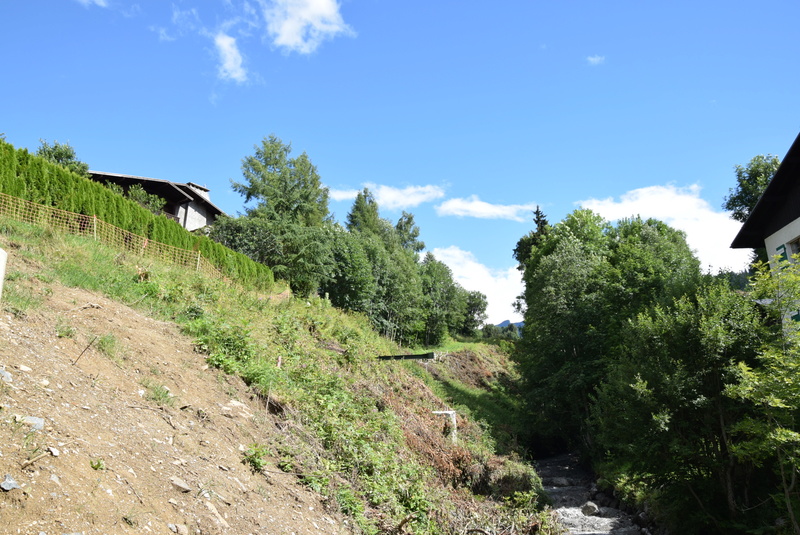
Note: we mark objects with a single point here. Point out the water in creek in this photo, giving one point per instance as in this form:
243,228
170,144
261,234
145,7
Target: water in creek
580,508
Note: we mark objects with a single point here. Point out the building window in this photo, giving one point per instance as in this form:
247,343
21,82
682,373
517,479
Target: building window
794,247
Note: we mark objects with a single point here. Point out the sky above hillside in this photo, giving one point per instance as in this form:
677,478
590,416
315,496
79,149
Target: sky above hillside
466,114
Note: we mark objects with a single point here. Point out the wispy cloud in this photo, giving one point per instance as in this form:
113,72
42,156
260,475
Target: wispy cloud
474,207
230,67
186,20
302,25
595,60
87,3
501,287
342,194
163,33
708,232
134,10
393,198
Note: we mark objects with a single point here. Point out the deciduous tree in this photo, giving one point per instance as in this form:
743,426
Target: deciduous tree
64,155
751,181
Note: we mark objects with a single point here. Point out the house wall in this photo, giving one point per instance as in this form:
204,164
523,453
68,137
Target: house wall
193,216
781,242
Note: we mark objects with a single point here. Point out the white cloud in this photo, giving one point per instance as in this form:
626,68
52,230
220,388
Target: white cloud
342,194
392,198
501,287
474,207
230,59
708,232
596,60
163,33
87,3
302,25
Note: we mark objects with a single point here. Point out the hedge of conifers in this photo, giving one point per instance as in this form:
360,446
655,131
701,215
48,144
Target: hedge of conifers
35,179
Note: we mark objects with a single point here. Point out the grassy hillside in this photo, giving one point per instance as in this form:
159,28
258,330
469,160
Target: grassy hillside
358,432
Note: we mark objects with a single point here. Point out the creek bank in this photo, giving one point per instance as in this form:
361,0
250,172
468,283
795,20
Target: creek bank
580,507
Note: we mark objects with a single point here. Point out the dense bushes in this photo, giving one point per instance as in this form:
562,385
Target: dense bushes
682,391
35,179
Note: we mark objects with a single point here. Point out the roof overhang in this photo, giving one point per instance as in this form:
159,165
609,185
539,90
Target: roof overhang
171,192
772,212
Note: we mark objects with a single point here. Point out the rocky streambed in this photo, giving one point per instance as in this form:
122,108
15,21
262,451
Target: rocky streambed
581,508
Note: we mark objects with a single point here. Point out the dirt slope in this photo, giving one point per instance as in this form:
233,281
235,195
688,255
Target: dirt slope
109,457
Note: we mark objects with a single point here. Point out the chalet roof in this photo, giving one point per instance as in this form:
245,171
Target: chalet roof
172,192
778,206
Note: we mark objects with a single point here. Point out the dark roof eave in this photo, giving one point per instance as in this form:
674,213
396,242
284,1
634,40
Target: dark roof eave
182,193
754,231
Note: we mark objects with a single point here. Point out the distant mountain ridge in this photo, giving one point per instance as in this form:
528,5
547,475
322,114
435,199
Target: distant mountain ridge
506,323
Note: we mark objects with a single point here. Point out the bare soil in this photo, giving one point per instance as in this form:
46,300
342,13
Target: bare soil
110,458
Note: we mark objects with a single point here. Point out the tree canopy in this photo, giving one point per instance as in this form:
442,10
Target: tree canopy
287,229
680,388
370,266
287,189
751,181
583,280
64,155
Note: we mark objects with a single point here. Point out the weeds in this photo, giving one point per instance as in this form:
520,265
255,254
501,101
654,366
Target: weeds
97,464
20,297
108,345
64,329
157,393
254,457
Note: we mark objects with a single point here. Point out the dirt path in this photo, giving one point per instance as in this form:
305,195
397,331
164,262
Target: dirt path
571,489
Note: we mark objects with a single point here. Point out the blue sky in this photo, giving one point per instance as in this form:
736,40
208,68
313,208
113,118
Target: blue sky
466,114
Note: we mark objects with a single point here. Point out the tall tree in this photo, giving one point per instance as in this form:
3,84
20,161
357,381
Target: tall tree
474,314
408,233
64,155
527,243
352,285
439,293
287,189
771,435
582,282
288,228
364,214
751,181
662,415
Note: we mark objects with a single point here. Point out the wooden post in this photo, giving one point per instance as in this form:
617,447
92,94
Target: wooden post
452,415
94,226
198,261
3,259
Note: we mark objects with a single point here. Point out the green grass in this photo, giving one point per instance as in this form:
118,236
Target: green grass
64,329
157,393
108,345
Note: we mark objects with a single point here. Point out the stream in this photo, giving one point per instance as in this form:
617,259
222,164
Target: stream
580,508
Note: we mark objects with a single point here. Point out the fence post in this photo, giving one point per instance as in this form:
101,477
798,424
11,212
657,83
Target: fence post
454,431
198,261
94,226
3,259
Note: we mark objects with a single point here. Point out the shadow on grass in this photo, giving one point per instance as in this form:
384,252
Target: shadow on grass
500,411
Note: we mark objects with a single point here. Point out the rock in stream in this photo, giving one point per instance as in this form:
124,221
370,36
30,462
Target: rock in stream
570,488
